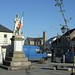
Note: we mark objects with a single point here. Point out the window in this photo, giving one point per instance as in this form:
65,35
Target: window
5,37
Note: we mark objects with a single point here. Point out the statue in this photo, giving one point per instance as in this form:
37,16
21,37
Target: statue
18,25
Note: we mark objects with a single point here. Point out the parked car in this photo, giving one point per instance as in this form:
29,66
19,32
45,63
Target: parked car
34,53
49,54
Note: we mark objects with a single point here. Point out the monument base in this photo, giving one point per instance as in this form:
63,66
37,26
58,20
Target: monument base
16,61
15,58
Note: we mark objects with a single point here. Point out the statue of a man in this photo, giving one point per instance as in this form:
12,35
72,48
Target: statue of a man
18,25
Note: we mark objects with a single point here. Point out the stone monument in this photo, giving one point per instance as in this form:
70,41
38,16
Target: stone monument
16,58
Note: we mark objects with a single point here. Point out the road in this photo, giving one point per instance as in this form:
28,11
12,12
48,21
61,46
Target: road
36,69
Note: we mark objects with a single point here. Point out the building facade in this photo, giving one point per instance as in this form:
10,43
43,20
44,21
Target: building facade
64,43
5,36
36,41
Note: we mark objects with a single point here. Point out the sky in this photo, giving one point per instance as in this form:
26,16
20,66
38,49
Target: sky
39,16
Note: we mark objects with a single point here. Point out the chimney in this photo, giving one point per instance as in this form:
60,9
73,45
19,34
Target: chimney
44,37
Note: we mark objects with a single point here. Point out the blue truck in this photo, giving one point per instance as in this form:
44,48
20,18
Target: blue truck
34,53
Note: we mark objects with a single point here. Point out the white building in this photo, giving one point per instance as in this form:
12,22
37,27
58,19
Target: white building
5,35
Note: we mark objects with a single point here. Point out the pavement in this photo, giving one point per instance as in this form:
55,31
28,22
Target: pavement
36,69
43,71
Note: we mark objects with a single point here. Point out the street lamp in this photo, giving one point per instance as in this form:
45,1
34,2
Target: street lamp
63,30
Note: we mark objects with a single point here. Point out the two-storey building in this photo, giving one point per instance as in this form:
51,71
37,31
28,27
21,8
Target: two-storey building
39,41
5,35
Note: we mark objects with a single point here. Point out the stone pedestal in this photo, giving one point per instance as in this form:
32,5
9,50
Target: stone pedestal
16,58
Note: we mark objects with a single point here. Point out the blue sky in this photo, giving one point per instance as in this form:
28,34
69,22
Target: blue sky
39,16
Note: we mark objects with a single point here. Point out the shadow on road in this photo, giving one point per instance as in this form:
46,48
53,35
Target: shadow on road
53,69
47,68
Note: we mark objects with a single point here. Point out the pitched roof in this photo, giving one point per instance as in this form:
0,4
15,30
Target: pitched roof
68,32
4,29
34,38
65,34
51,39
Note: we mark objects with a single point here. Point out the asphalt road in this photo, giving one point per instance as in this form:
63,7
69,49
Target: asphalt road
36,69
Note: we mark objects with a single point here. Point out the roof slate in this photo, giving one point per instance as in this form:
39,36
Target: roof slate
4,29
34,38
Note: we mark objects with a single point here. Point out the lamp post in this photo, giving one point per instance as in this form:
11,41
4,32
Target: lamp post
63,30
